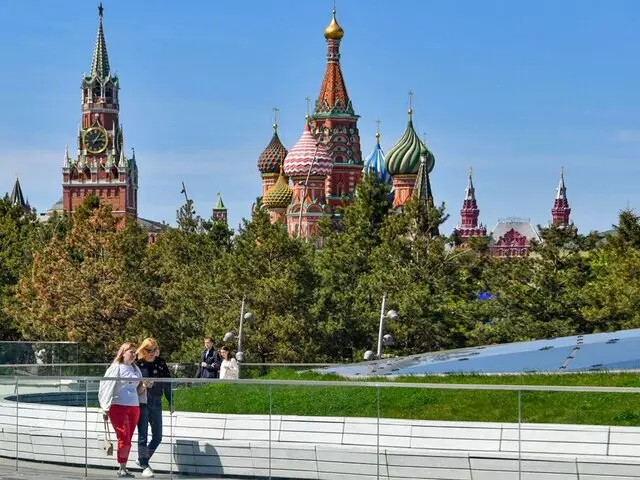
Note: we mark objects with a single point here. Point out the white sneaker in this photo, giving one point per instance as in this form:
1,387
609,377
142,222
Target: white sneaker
147,473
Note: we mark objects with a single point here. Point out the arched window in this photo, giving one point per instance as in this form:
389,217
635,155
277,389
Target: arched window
97,93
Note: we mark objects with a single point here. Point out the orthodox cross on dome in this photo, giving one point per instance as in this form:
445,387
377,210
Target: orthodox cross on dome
410,103
308,100
275,118
378,131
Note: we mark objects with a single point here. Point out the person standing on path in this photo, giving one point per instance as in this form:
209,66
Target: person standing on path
152,366
229,366
209,361
119,400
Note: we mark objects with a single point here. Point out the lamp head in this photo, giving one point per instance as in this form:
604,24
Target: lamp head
387,340
229,337
240,356
248,317
368,356
392,315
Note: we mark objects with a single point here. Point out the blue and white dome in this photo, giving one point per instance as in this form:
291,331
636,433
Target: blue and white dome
374,163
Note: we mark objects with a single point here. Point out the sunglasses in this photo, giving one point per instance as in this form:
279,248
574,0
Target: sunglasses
150,350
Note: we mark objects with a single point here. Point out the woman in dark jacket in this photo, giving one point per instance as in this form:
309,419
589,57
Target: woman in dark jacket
151,366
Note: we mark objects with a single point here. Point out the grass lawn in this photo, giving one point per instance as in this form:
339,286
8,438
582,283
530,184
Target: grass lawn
427,404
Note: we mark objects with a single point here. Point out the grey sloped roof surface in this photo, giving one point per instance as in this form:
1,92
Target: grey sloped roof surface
599,351
522,226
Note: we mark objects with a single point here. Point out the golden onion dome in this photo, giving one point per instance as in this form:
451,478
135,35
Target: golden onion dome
279,195
333,31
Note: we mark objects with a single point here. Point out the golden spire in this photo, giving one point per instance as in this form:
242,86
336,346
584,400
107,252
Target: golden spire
333,31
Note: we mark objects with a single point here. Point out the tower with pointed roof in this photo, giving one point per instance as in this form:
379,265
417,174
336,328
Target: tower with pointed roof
308,164
469,214
220,211
17,197
335,123
561,209
403,161
100,167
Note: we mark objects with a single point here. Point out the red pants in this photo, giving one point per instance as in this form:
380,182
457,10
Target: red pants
124,420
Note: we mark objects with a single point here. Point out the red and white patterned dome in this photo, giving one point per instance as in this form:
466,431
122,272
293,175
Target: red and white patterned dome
301,157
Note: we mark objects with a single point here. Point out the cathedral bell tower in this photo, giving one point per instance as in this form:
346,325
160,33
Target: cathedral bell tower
335,124
101,167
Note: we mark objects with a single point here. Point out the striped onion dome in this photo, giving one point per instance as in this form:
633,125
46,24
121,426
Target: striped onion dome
374,163
300,159
270,160
279,195
404,157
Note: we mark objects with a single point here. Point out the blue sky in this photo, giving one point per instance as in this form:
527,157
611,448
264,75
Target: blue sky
514,89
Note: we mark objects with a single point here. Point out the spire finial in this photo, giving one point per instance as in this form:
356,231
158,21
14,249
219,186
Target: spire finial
410,104
470,172
275,119
378,131
308,100
100,63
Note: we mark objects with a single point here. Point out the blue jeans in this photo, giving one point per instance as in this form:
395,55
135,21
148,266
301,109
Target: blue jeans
150,414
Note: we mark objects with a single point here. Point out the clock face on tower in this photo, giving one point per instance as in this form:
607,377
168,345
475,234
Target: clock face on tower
96,140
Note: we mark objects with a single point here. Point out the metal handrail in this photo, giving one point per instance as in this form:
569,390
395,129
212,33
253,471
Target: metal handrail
332,383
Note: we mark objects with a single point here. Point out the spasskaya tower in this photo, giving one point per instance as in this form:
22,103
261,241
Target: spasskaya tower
100,167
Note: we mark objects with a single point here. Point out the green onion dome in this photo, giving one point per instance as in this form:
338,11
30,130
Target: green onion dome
272,158
279,195
404,157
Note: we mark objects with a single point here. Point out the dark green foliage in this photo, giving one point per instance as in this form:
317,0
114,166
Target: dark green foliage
92,279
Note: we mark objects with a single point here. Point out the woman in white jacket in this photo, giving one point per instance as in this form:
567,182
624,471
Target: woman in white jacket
119,400
229,366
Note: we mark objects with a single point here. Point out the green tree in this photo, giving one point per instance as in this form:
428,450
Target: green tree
17,229
275,274
87,286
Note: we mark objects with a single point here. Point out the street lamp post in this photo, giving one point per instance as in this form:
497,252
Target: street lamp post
382,338
230,336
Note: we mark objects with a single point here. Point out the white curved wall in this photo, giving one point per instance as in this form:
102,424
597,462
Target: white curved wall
333,447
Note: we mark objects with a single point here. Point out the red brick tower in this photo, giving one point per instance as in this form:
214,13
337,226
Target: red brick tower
469,214
101,167
335,124
561,210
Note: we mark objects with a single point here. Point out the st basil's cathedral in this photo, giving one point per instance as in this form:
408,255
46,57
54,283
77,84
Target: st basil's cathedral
320,172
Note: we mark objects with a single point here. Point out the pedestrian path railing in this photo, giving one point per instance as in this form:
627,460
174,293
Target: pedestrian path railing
338,429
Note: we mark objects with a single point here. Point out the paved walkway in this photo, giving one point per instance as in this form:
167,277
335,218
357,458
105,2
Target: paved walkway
35,470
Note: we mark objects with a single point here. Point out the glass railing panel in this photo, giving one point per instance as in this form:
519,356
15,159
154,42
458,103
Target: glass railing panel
9,437
327,429
430,430
220,427
50,419
583,416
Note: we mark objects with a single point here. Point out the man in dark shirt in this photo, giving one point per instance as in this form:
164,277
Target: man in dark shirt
151,366
209,361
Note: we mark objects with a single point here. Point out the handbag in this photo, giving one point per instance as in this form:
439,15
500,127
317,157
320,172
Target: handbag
107,444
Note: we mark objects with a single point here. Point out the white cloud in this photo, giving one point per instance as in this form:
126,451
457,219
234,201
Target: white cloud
627,135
